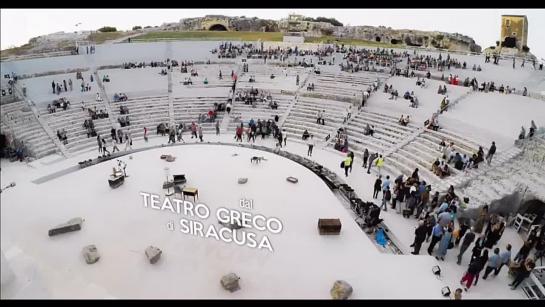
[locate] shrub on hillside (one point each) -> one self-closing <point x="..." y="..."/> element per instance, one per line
<point x="136" y="28"/>
<point x="107" y="29"/>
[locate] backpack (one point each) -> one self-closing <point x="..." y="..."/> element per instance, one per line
<point x="388" y="195"/>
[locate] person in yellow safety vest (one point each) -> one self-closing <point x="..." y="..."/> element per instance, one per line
<point x="379" y="163"/>
<point x="347" y="163"/>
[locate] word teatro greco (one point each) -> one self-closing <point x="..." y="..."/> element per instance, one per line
<point x="230" y="220"/>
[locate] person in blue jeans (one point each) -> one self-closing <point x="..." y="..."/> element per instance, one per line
<point x="493" y="263"/>
<point x="386" y="197"/>
<point x="437" y="233"/>
<point x="385" y="185"/>
<point x="505" y="259"/>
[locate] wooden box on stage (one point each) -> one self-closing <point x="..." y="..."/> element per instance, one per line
<point x="329" y="226"/>
<point x="116" y="181"/>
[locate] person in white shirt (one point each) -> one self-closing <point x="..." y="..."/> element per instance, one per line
<point x="128" y="141"/>
<point x="310" y="143"/>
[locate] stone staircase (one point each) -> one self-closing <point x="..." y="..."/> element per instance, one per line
<point x="518" y="169"/>
<point x="44" y="125"/>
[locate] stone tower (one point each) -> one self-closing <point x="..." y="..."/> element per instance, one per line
<point x="514" y="31"/>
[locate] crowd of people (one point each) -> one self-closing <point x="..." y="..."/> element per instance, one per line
<point x="436" y="216"/>
<point x="89" y="127"/>
<point x="531" y="132"/>
<point x="265" y="128"/>
<point x="58" y="87"/>
<point x="61" y="103"/>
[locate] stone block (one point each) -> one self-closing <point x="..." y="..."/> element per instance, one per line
<point x="90" y="253"/>
<point x="229" y="282"/>
<point x="72" y="225"/>
<point x="153" y="253"/>
<point x="236" y="225"/>
<point x="292" y="179"/>
<point x="329" y="226"/>
<point x="341" y="290"/>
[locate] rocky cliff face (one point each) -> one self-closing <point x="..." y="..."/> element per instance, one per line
<point x="426" y="39"/>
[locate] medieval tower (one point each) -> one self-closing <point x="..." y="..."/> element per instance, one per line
<point x="514" y="31"/>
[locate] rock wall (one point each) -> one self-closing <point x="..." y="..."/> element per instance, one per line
<point x="426" y="39"/>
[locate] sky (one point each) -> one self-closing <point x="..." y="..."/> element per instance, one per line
<point x="483" y="25"/>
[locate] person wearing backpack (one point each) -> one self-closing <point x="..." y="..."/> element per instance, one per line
<point x="386" y="197"/>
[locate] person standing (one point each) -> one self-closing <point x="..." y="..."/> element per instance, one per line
<point x="437" y="234"/>
<point x="424" y="200"/>
<point x="238" y="134"/>
<point x="386" y="197"/>
<point x="523" y="252"/>
<point x="505" y="259"/>
<point x="522" y="273"/>
<point x="180" y="133"/>
<point x="371" y="161"/>
<point x="477" y="248"/>
<point x="461" y="232"/>
<point x="70" y="84"/>
<point x="444" y="245"/>
<point x="494" y="263"/>
<point x="114" y="145"/>
<point x="365" y="157"/>
<point x="483" y="259"/>
<point x="145" y="134"/>
<point x="471" y="273"/>
<point x="218" y="124"/>
<point x="347" y="163"/>
<point x="53" y="86"/>
<point x="200" y="133"/>
<point x="379" y="163"/>
<point x="419" y="237"/>
<point x="378" y="184"/>
<point x="469" y="237"/>
<point x="194" y="130"/>
<point x="481" y="220"/>
<point x="99" y="142"/>
<point x="104" y="150"/>
<point x="310" y="143"/>
<point x="172" y="136"/>
<point x="385" y="185"/>
<point x="351" y="154"/>
<point x="491" y="152"/>
<point x="128" y="141"/>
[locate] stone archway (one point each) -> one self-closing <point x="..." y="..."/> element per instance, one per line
<point x="217" y="27"/>
<point x="534" y="206"/>
<point x="509" y="42"/>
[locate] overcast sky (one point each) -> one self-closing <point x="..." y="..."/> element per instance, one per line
<point x="19" y="25"/>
